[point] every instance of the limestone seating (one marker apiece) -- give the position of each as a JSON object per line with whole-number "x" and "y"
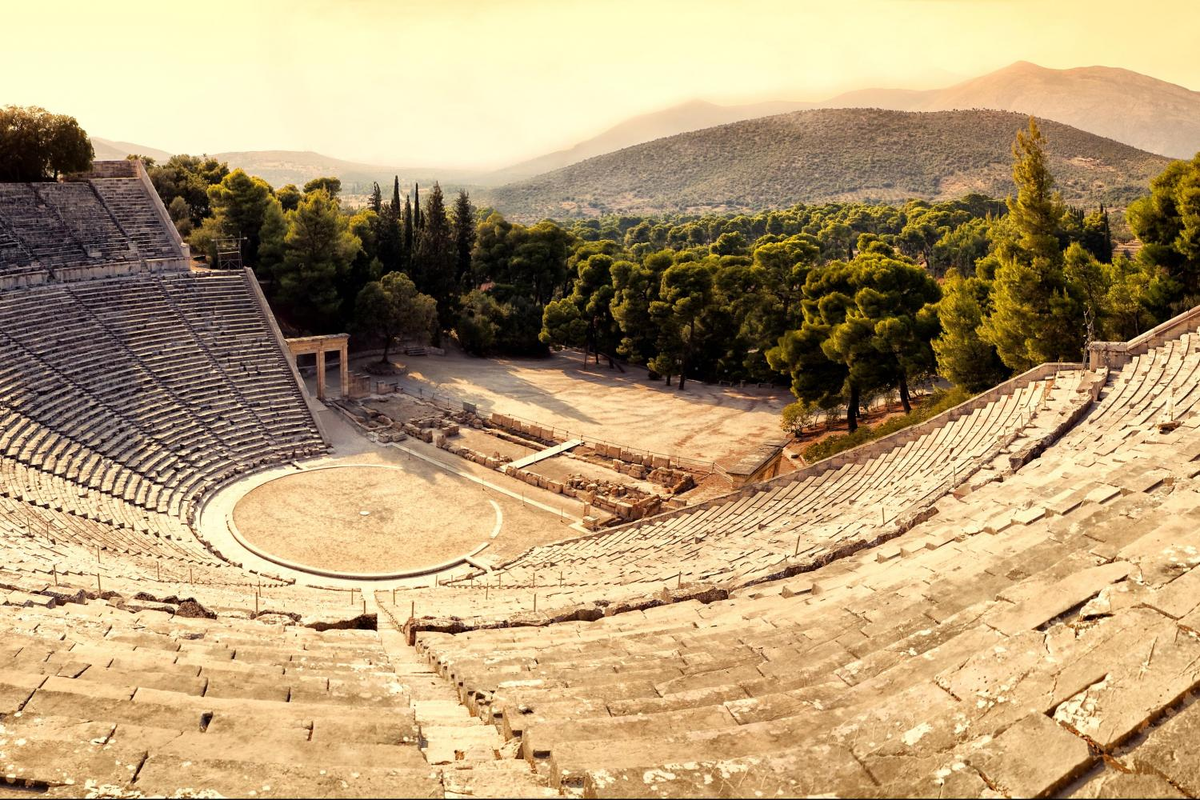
{"x": 129, "y": 204}
{"x": 788, "y": 521}
{"x": 985, "y": 649}
{"x": 84, "y": 215}
{"x": 981, "y": 646}
{"x": 43, "y": 238}
{"x": 165, "y": 405}
{"x": 157, "y": 704}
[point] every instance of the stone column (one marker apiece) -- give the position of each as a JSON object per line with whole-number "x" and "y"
{"x": 345, "y": 356}
{"x": 320, "y": 374}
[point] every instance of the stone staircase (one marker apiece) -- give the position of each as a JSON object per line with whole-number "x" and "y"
{"x": 472, "y": 758}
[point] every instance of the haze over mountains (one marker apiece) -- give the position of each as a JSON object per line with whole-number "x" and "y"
{"x": 1134, "y": 109}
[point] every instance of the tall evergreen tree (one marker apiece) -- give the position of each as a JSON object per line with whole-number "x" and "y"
{"x": 396, "y": 194}
{"x": 434, "y": 258}
{"x": 408, "y": 236}
{"x": 389, "y": 236}
{"x": 464, "y": 239}
{"x": 1035, "y": 316}
{"x": 418, "y": 214}
{"x": 376, "y": 202}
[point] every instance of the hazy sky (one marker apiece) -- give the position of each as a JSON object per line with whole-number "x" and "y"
{"x": 471, "y": 83}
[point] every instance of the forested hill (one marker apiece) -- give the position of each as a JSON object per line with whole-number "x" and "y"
{"x": 828, "y": 155}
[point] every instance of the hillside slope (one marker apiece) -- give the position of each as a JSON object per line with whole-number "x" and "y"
{"x": 827, "y": 155}
{"x": 1136, "y": 109}
{"x": 693, "y": 116}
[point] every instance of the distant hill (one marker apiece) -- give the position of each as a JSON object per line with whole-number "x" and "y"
{"x": 107, "y": 150}
{"x": 1138, "y": 110}
{"x": 691, "y": 116}
{"x": 281, "y": 167}
{"x": 827, "y": 155}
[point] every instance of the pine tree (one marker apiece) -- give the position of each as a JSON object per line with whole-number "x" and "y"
{"x": 376, "y": 202}
{"x": 1035, "y": 317}
{"x": 962, "y": 357}
{"x": 464, "y": 239}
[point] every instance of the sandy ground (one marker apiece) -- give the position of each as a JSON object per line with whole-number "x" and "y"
{"x": 367, "y": 519}
{"x": 703, "y": 422}
{"x": 427, "y": 491}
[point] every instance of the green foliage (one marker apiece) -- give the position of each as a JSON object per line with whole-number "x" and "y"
{"x": 963, "y": 358}
{"x": 391, "y": 308}
{"x": 478, "y": 323}
{"x": 35, "y": 144}
{"x": 289, "y": 197}
{"x": 318, "y": 249}
{"x": 820, "y": 156}
{"x": 941, "y": 400}
{"x": 331, "y": 186}
{"x": 1036, "y": 315}
{"x": 867, "y": 327}
{"x": 188, "y": 178}
{"x": 797, "y": 416}
{"x": 464, "y": 239}
{"x": 181, "y": 215}
{"x": 434, "y": 259}
{"x": 239, "y": 204}
{"x": 1168, "y": 223}
{"x": 272, "y": 237}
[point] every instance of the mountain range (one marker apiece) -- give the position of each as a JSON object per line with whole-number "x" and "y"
{"x": 1131, "y": 108}
{"x": 826, "y": 155}
{"x": 1135, "y": 109}
{"x": 281, "y": 167}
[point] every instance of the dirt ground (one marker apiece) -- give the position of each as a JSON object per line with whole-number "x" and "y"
{"x": 703, "y": 422}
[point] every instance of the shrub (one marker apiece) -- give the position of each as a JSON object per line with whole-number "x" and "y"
{"x": 941, "y": 400}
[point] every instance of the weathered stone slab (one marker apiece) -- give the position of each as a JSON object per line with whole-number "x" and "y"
{"x": 1171, "y": 750}
{"x": 1032, "y": 758}
{"x": 1056, "y": 598}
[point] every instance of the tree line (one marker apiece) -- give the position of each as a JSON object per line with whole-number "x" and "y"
{"x": 843, "y": 300}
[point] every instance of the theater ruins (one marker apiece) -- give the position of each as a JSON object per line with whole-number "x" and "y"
{"x": 202, "y": 592}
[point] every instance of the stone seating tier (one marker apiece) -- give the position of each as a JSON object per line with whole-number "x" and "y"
{"x": 1037, "y": 636}
{"x": 107, "y": 223}
{"x": 135, "y": 387}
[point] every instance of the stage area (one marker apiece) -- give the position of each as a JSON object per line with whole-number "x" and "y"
{"x": 367, "y": 518}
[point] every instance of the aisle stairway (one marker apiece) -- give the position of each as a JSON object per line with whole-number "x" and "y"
{"x": 472, "y": 758}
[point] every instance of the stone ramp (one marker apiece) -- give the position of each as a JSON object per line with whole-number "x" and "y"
{"x": 542, "y": 455}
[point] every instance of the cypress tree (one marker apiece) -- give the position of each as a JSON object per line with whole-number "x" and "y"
{"x": 388, "y": 245}
{"x": 418, "y": 215}
{"x": 464, "y": 238}
{"x": 396, "y": 195}
{"x": 376, "y": 198}
{"x": 407, "y": 235}
{"x": 434, "y": 259}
